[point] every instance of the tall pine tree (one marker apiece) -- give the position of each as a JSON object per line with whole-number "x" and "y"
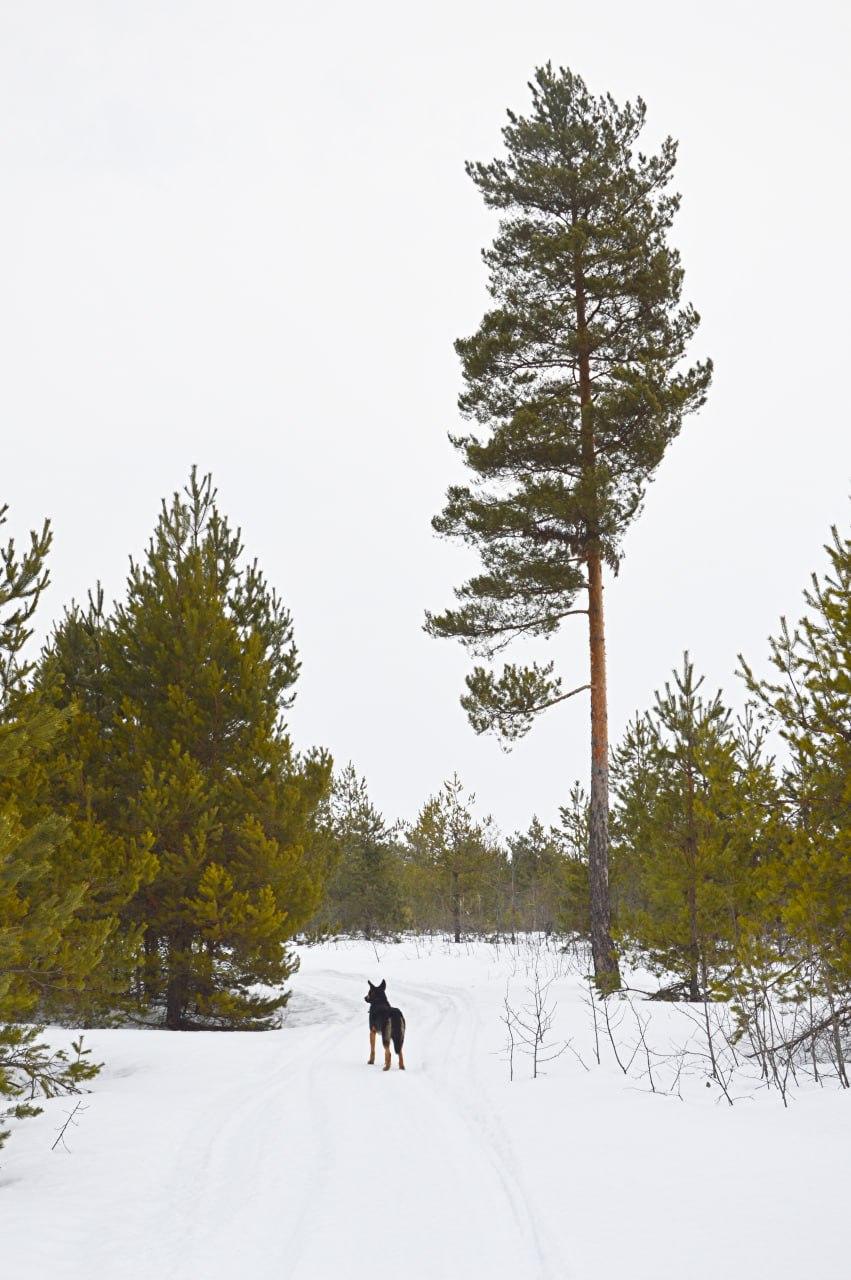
{"x": 187, "y": 684}
{"x": 576, "y": 379}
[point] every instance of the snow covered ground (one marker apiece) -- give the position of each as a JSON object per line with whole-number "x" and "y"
{"x": 283, "y": 1156}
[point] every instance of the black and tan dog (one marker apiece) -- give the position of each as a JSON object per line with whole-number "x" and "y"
{"x": 389, "y": 1022}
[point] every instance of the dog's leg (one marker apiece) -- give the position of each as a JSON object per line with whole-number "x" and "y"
{"x": 387, "y": 1058}
{"x": 401, "y": 1061}
{"x": 371, "y": 1046}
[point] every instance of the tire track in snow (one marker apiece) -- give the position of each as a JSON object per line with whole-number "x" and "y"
{"x": 432, "y": 1103}
{"x": 485, "y": 1125}
{"x": 294, "y": 1160}
{"x": 230, "y": 1167}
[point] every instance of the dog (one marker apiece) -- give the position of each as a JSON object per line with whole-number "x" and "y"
{"x": 389, "y": 1022}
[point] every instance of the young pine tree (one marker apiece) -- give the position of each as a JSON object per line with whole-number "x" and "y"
{"x": 534, "y": 861}
{"x": 575, "y": 381}
{"x": 692, "y": 798}
{"x": 37, "y": 959}
{"x": 456, "y": 869}
{"x": 364, "y": 891}
{"x": 574, "y": 915}
{"x": 548, "y": 876}
{"x": 187, "y": 684}
{"x": 808, "y": 699}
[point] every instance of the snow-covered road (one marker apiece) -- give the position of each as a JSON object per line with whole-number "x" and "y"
{"x": 283, "y": 1156}
{"x": 406, "y": 1173}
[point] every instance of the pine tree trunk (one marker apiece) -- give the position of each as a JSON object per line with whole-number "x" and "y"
{"x": 456, "y": 906}
{"x": 606, "y": 972}
{"x": 174, "y": 1004}
{"x": 513, "y": 905}
{"x": 176, "y": 987}
{"x": 691, "y": 886}
{"x": 694, "y": 950}
{"x": 151, "y": 987}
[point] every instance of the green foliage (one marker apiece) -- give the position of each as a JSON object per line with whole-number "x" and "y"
{"x": 364, "y": 894}
{"x": 510, "y": 703}
{"x": 548, "y": 873}
{"x": 694, "y": 805}
{"x": 22, "y": 580}
{"x": 210, "y": 846}
{"x": 30, "y": 1069}
{"x": 575, "y": 376}
{"x": 574, "y": 915}
{"x": 63, "y": 779}
{"x": 455, "y": 869}
{"x": 808, "y": 700}
{"x": 38, "y": 957}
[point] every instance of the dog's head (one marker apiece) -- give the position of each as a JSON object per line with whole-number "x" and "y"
{"x": 376, "y": 995}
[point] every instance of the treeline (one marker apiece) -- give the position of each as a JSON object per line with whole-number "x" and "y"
{"x": 731, "y": 836}
{"x": 449, "y": 871}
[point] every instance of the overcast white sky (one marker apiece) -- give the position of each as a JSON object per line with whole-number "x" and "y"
{"x": 240, "y": 234}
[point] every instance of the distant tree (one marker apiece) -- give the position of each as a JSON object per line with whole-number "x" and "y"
{"x": 635, "y": 779}
{"x": 574, "y": 914}
{"x": 364, "y": 891}
{"x": 36, "y": 958}
{"x": 549, "y": 875}
{"x": 534, "y": 863}
{"x": 182, "y": 693}
{"x": 458, "y": 866}
{"x": 576, "y": 379}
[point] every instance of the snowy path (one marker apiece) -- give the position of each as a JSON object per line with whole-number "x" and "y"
{"x": 283, "y": 1156}
{"x": 402, "y": 1170}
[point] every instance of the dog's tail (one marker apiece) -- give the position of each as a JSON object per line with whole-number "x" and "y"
{"x": 397, "y": 1029}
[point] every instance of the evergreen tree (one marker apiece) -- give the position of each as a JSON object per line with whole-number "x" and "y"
{"x": 548, "y": 874}
{"x": 186, "y": 761}
{"x": 808, "y": 699}
{"x": 73, "y": 776}
{"x": 456, "y": 867}
{"x": 534, "y": 862}
{"x": 36, "y": 958}
{"x": 574, "y": 916}
{"x": 575, "y": 377}
{"x": 364, "y": 891}
{"x": 693, "y": 796}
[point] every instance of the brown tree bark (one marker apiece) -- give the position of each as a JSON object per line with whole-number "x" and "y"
{"x": 456, "y": 904}
{"x": 691, "y": 883}
{"x": 606, "y": 971}
{"x": 151, "y": 966}
{"x": 176, "y": 988}
{"x": 174, "y": 1005}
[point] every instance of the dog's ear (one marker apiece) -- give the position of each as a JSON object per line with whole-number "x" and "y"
{"x": 369, "y": 984}
{"x": 382, "y": 984}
